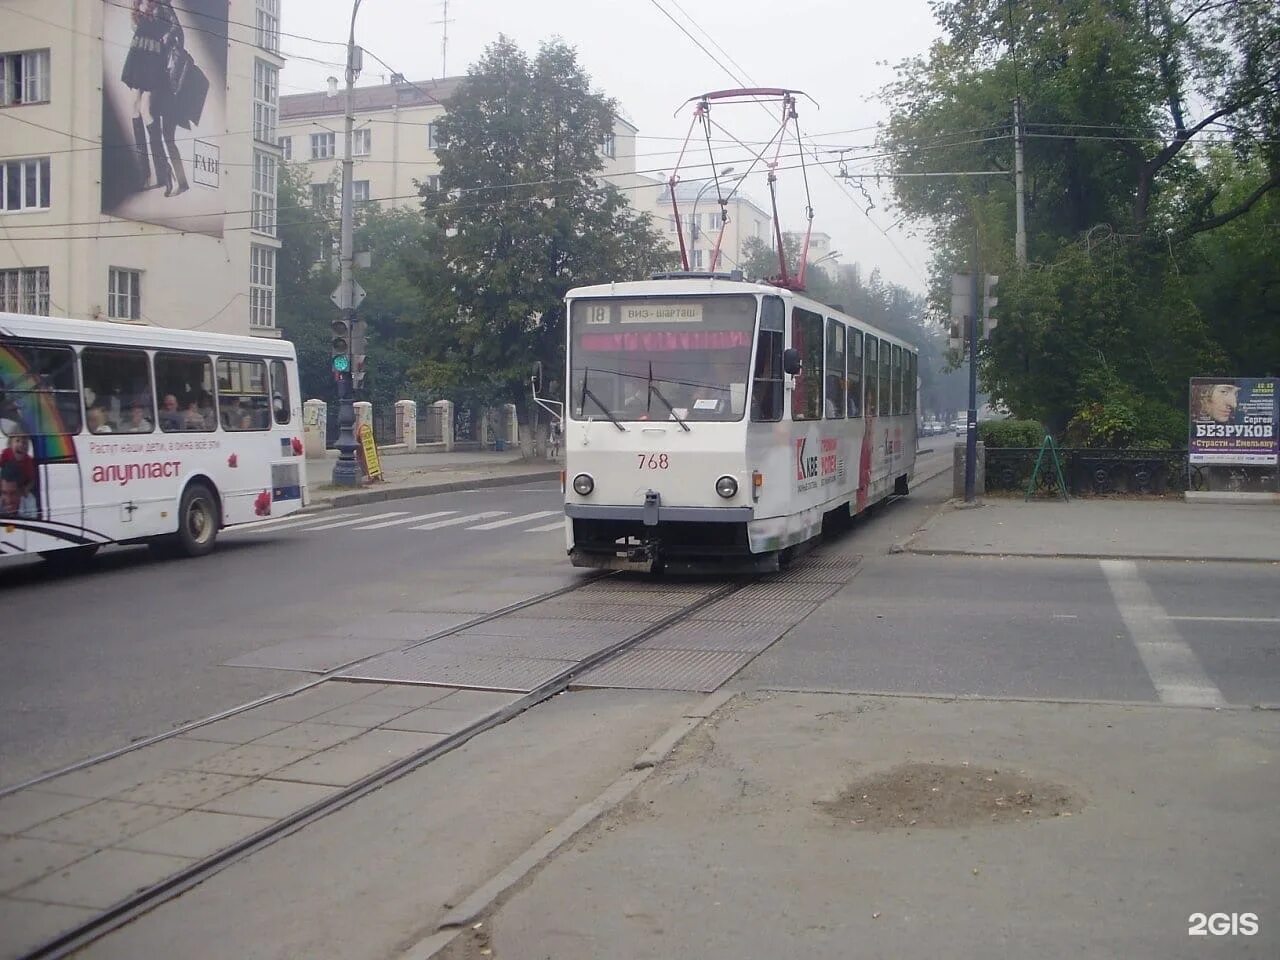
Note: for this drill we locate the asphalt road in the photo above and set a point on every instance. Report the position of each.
(132, 646)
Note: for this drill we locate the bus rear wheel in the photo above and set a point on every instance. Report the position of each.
(198, 521)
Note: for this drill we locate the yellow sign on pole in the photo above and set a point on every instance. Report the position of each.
(369, 453)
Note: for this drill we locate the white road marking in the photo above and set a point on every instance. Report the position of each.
(350, 523)
(1229, 619)
(1066, 616)
(281, 523)
(512, 521)
(558, 525)
(393, 523)
(459, 521)
(1173, 666)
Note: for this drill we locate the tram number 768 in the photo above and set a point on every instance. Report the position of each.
(653, 461)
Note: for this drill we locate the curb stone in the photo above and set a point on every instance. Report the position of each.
(422, 489)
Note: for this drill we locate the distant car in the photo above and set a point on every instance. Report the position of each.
(933, 427)
(961, 427)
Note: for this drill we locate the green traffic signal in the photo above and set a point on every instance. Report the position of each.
(342, 364)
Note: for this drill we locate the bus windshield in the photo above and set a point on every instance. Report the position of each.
(661, 358)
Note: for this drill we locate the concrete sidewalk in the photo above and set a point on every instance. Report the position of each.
(418, 474)
(1135, 529)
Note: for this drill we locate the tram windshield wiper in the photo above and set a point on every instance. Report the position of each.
(655, 392)
(586, 392)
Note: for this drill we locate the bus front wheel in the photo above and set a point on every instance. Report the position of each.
(197, 521)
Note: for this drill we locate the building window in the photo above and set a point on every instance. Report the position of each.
(433, 182)
(286, 147)
(124, 294)
(264, 193)
(269, 25)
(322, 146)
(360, 191)
(609, 145)
(433, 139)
(262, 287)
(757, 228)
(24, 185)
(24, 78)
(266, 88)
(361, 142)
(697, 260)
(25, 291)
(322, 195)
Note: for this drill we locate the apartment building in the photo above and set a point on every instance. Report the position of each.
(700, 216)
(138, 161)
(394, 140)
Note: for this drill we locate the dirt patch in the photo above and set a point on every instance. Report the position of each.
(473, 943)
(933, 795)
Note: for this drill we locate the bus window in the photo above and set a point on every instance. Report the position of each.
(895, 381)
(873, 365)
(280, 404)
(242, 395)
(38, 391)
(184, 384)
(835, 370)
(117, 390)
(806, 337)
(854, 379)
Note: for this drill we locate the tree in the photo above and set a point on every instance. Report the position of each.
(304, 280)
(1117, 187)
(523, 217)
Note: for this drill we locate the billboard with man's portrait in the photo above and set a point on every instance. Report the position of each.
(1234, 421)
(164, 83)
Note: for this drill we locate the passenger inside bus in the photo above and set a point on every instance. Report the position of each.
(98, 420)
(138, 421)
(16, 498)
(170, 417)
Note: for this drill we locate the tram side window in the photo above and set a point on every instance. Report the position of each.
(873, 390)
(117, 390)
(242, 395)
(835, 369)
(38, 391)
(854, 379)
(806, 337)
(895, 381)
(184, 384)
(885, 392)
(280, 404)
(913, 382)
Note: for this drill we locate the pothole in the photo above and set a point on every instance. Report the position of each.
(935, 795)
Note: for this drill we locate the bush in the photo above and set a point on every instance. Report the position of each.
(1011, 433)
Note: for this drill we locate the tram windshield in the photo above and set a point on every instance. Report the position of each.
(661, 358)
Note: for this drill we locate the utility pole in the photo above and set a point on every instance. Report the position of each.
(971, 433)
(346, 472)
(1019, 184)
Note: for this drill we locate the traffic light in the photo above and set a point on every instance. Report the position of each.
(359, 343)
(340, 344)
(989, 301)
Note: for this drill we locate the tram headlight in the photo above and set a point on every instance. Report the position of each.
(583, 484)
(727, 487)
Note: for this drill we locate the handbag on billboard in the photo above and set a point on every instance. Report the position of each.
(189, 85)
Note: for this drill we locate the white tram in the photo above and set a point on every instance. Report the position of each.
(715, 424)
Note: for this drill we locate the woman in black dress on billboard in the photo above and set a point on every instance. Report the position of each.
(156, 34)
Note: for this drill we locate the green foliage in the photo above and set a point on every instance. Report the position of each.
(1011, 433)
(1147, 266)
(522, 218)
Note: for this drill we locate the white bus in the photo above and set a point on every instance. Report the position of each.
(116, 433)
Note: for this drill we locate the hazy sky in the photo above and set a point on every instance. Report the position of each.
(840, 52)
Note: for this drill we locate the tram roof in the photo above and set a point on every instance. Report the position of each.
(692, 286)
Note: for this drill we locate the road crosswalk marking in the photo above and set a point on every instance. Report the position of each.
(349, 523)
(282, 523)
(558, 525)
(512, 521)
(459, 521)
(403, 520)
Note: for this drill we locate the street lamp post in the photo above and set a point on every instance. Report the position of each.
(346, 472)
(693, 216)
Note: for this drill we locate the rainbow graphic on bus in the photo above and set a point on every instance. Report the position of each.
(35, 411)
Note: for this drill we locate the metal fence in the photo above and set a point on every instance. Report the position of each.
(430, 424)
(1095, 472)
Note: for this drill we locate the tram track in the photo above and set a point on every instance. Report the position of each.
(148, 898)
